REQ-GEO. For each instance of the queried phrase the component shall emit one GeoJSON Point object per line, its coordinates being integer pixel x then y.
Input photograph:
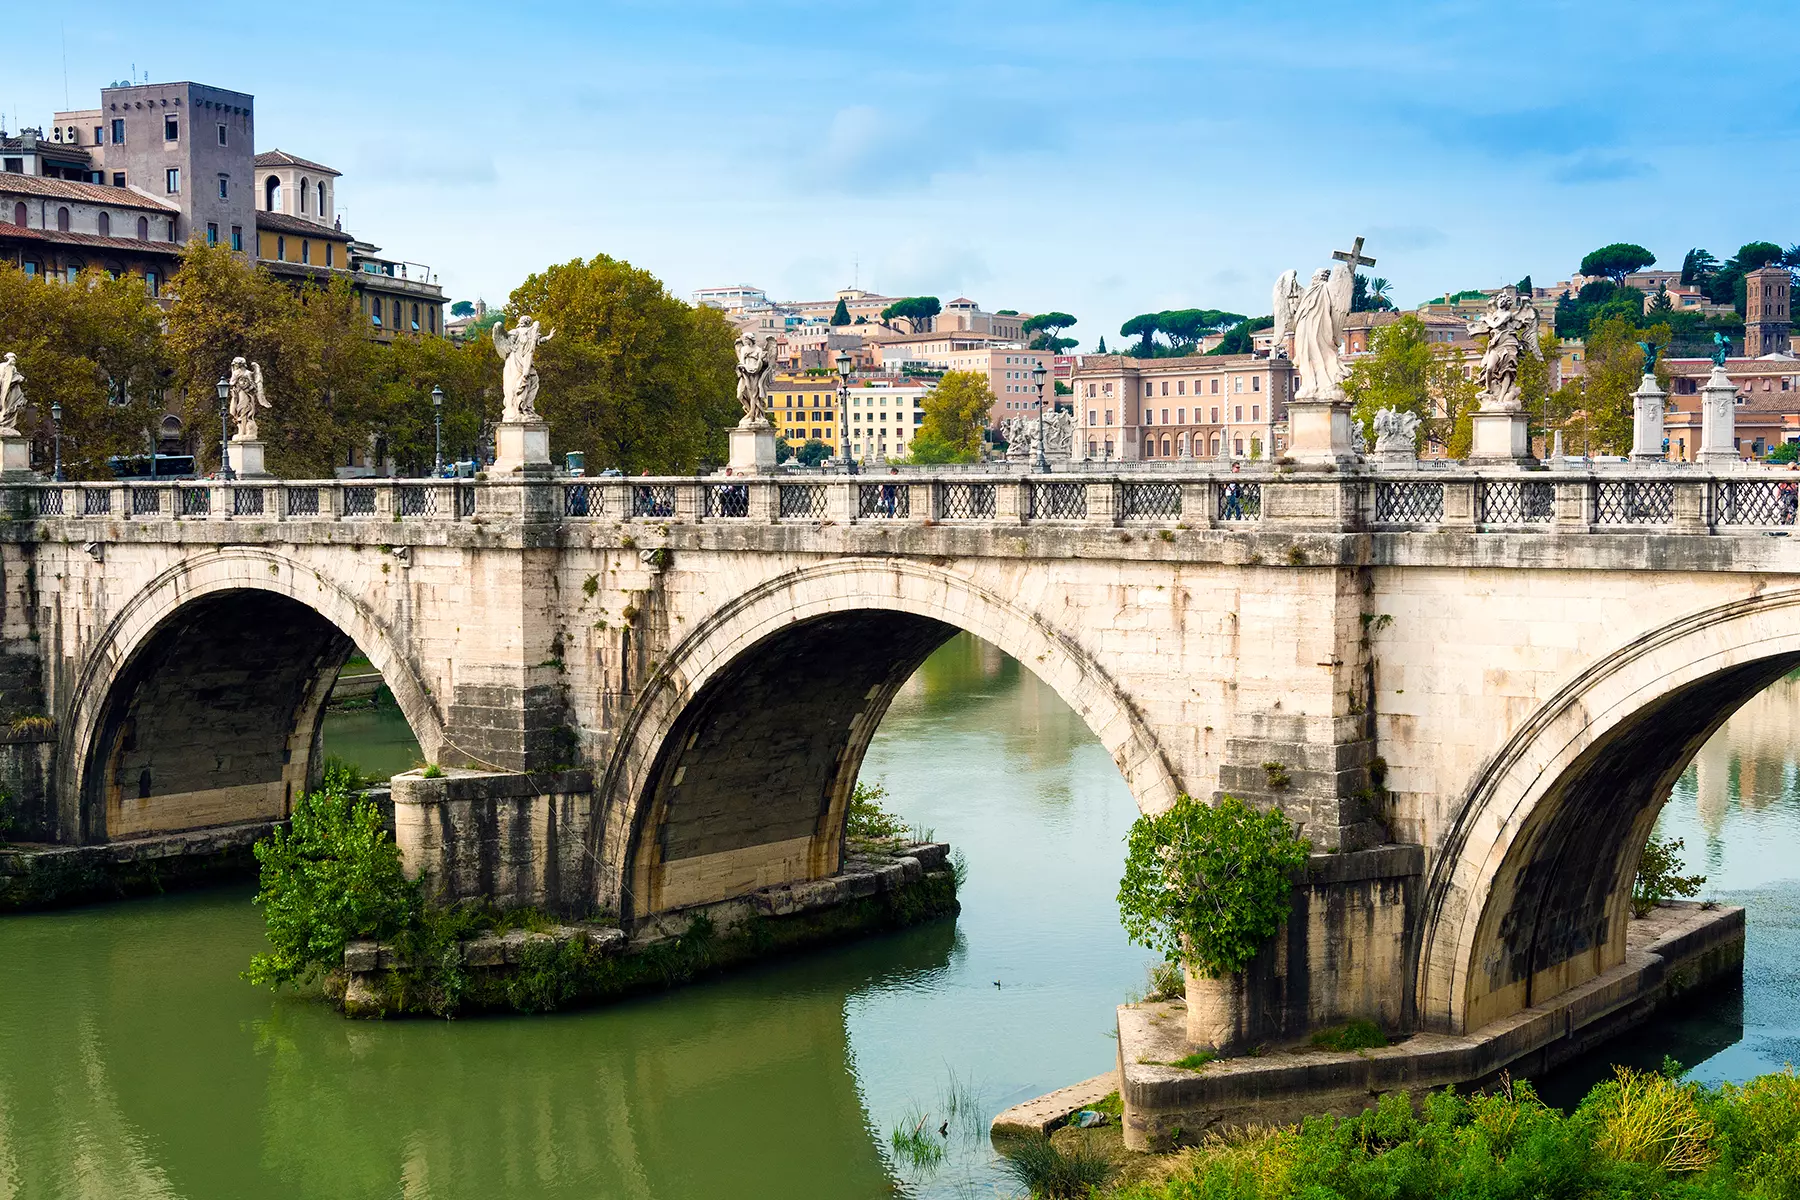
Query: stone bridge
{"type": "Point", "coordinates": [1473, 689]}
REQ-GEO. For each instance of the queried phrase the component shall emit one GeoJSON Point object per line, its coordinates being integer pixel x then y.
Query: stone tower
{"type": "Point", "coordinates": [1766, 319]}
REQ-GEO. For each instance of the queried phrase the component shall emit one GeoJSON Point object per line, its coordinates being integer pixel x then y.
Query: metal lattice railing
{"type": "Point", "coordinates": [96, 502]}
{"type": "Point", "coordinates": [883, 501]}
{"type": "Point", "coordinates": [1629, 502]}
{"type": "Point", "coordinates": [1755, 502]}
{"type": "Point", "coordinates": [416, 500]}
{"type": "Point", "coordinates": [50, 502]}
{"type": "Point", "coordinates": [801, 501]}
{"type": "Point", "coordinates": [146, 502]}
{"type": "Point", "coordinates": [653, 500]}
{"type": "Point", "coordinates": [581, 500]}
{"type": "Point", "coordinates": [1149, 501]}
{"type": "Point", "coordinates": [303, 502]}
{"type": "Point", "coordinates": [1517, 502]}
{"type": "Point", "coordinates": [966, 501]}
{"type": "Point", "coordinates": [196, 502]}
{"type": "Point", "coordinates": [1058, 501]}
{"type": "Point", "coordinates": [1409, 503]}
{"type": "Point", "coordinates": [246, 502]}
{"type": "Point", "coordinates": [726, 501]}
{"type": "Point", "coordinates": [359, 501]}
{"type": "Point", "coordinates": [1240, 501]}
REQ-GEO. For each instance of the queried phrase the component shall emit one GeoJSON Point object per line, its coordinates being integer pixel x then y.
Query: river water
{"type": "Point", "coordinates": [135, 1063]}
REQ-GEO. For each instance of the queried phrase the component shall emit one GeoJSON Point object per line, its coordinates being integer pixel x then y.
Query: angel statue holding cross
{"type": "Point", "coordinates": [1315, 316]}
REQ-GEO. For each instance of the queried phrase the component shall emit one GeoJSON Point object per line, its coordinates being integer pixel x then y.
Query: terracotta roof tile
{"type": "Point", "coordinates": [281, 158]}
{"type": "Point", "coordinates": [12, 183]}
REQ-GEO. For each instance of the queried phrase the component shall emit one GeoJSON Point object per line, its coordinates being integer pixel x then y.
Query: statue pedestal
{"type": "Point", "coordinates": [1718, 420]}
{"type": "Point", "coordinates": [752, 450]}
{"type": "Point", "coordinates": [246, 458]}
{"type": "Point", "coordinates": [1318, 432]}
{"type": "Point", "coordinates": [1647, 422]}
{"type": "Point", "coordinates": [521, 448]}
{"type": "Point", "coordinates": [1501, 437]}
{"type": "Point", "coordinates": [15, 457]}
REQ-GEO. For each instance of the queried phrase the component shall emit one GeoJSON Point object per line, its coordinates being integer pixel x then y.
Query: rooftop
{"type": "Point", "coordinates": [87, 193]}
{"type": "Point", "coordinates": [281, 158]}
{"type": "Point", "coordinates": [283, 223]}
{"type": "Point", "coordinates": [130, 245]}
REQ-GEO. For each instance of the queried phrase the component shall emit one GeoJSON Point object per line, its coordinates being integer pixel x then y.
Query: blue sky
{"type": "Point", "coordinates": [1100, 159]}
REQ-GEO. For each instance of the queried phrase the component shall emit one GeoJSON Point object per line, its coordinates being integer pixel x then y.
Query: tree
{"type": "Point", "coordinates": [1143, 327]}
{"type": "Point", "coordinates": [1048, 328]}
{"type": "Point", "coordinates": [841, 314]}
{"type": "Point", "coordinates": [1617, 261]}
{"type": "Point", "coordinates": [1397, 374]}
{"type": "Point", "coordinates": [1458, 393]}
{"type": "Point", "coordinates": [95, 348]}
{"type": "Point", "coordinates": [956, 413]}
{"type": "Point", "coordinates": [401, 412]}
{"type": "Point", "coordinates": [635, 377]}
{"type": "Point", "coordinates": [812, 453]}
{"type": "Point", "coordinates": [1238, 339]}
{"type": "Point", "coordinates": [784, 449]}
{"type": "Point", "coordinates": [917, 310]}
{"type": "Point", "coordinates": [462, 308]}
{"type": "Point", "coordinates": [1369, 295]}
{"type": "Point", "coordinates": [1697, 267]}
{"type": "Point", "coordinates": [1614, 368]}
{"type": "Point", "coordinates": [1101, 348]}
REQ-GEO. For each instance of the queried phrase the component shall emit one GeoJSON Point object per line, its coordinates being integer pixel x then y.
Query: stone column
{"type": "Point", "coordinates": [521, 448]}
{"type": "Point", "coordinates": [1718, 420]}
{"type": "Point", "coordinates": [1501, 437]}
{"type": "Point", "coordinates": [752, 449]}
{"type": "Point", "coordinates": [15, 458]}
{"type": "Point", "coordinates": [246, 458]}
{"type": "Point", "coordinates": [1318, 432]}
{"type": "Point", "coordinates": [1647, 422]}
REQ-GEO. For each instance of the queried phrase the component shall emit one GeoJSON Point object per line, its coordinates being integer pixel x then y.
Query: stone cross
{"type": "Point", "coordinates": [1354, 255]}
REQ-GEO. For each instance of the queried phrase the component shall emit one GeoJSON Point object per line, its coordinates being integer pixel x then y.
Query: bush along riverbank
{"type": "Point", "coordinates": [342, 915]}
{"type": "Point", "coordinates": [1638, 1135]}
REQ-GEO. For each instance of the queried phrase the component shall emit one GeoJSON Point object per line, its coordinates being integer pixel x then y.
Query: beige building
{"type": "Point", "coordinates": [885, 414]}
{"type": "Point", "coordinates": [1008, 370]}
{"type": "Point", "coordinates": [1198, 406]}
{"type": "Point", "coordinates": [54, 228]}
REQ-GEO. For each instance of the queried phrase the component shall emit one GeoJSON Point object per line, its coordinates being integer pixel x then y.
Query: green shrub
{"type": "Point", "coordinates": [1357, 1035]}
{"type": "Point", "coordinates": [1046, 1169]}
{"type": "Point", "coordinates": [1659, 876]}
{"type": "Point", "coordinates": [867, 820]}
{"type": "Point", "coordinates": [332, 876]}
{"type": "Point", "coordinates": [1209, 884]}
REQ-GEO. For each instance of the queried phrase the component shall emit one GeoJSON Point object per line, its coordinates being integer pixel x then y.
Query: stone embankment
{"type": "Point", "coordinates": [38, 876]}
{"type": "Point", "coordinates": [882, 886]}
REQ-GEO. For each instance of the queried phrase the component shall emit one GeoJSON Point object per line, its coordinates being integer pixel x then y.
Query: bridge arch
{"type": "Point", "coordinates": [172, 642]}
{"type": "Point", "coordinates": [1529, 893]}
{"type": "Point", "coordinates": [832, 643]}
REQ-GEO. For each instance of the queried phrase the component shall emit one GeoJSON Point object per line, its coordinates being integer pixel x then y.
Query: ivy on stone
{"type": "Point", "coordinates": [1208, 885]}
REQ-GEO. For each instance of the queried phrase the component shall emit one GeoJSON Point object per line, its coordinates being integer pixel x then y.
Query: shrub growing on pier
{"type": "Point", "coordinates": [1209, 884]}
{"type": "Point", "coordinates": [1659, 876]}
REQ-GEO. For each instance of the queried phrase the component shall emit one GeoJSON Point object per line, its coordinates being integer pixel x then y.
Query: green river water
{"type": "Point", "coordinates": [135, 1063]}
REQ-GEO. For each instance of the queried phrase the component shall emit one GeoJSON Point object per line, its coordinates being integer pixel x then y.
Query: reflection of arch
{"type": "Point", "coordinates": [823, 649]}
{"type": "Point", "coordinates": [146, 624]}
{"type": "Point", "coordinates": [1529, 893]}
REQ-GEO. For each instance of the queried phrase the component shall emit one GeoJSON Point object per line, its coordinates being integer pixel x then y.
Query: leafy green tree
{"type": "Point", "coordinates": [812, 453]}
{"type": "Point", "coordinates": [635, 377]}
{"type": "Point", "coordinates": [1458, 393]}
{"type": "Point", "coordinates": [917, 310]}
{"type": "Point", "coordinates": [95, 348]}
{"type": "Point", "coordinates": [956, 414]}
{"type": "Point", "coordinates": [1370, 295]}
{"type": "Point", "coordinates": [1046, 331]}
{"type": "Point", "coordinates": [1659, 876]}
{"type": "Point", "coordinates": [1524, 286]}
{"type": "Point", "coordinates": [1787, 452]}
{"type": "Point", "coordinates": [401, 411]}
{"type": "Point", "coordinates": [1208, 885]}
{"type": "Point", "coordinates": [841, 314]}
{"type": "Point", "coordinates": [784, 449]}
{"type": "Point", "coordinates": [463, 308]}
{"type": "Point", "coordinates": [1614, 368]}
{"type": "Point", "coordinates": [1238, 339]}
{"type": "Point", "coordinates": [1101, 348]}
{"type": "Point", "coordinates": [1142, 327]}
{"type": "Point", "coordinates": [1184, 327]}
{"type": "Point", "coordinates": [1617, 261]}
{"type": "Point", "coordinates": [1697, 267]}
{"type": "Point", "coordinates": [1397, 374]}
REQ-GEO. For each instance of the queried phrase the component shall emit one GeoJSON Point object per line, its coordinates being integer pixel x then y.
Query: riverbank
{"type": "Point", "coordinates": [545, 965]}
{"type": "Point", "coordinates": [44, 876]}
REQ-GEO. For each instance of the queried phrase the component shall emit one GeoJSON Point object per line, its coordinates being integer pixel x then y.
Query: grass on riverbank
{"type": "Point", "coordinates": [1637, 1135]}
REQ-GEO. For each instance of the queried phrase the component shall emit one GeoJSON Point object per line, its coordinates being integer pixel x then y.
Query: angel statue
{"type": "Point", "coordinates": [1315, 316]}
{"type": "Point", "coordinates": [519, 379]}
{"type": "Point", "coordinates": [1721, 350]}
{"type": "Point", "coordinates": [1511, 327]}
{"type": "Point", "coordinates": [247, 396]}
{"type": "Point", "coordinates": [1396, 432]}
{"type": "Point", "coordinates": [12, 395]}
{"type": "Point", "coordinates": [755, 371]}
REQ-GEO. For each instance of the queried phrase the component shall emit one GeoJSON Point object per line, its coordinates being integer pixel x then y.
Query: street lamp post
{"type": "Point", "coordinates": [56, 437]}
{"type": "Point", "coordinates": [437, 420]}
{"type": "Point", "coordinates": [1037, 377]}
{"type": "Point", "coordinates": [843, 368]}
{"type": "Point", "coordinates": [224, 389]}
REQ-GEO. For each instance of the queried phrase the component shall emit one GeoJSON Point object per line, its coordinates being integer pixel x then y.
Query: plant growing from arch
{"type": "Point", "coordinates": [1207, 885]}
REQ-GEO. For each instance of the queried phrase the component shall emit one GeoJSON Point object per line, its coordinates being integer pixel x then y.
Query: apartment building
{"type": "Point", "coordinates": [1768, 403]}
{"type": "Point", "coordinates": [885, 414]}
{"type": "Point", "coordinates": [805, 408]}
{"type": "Point", "coordinates": [1197, 406]}
{"type": "Point", "coordinates": [1008, 370]}
{"type": "Point", "coordinates": [55, 228]}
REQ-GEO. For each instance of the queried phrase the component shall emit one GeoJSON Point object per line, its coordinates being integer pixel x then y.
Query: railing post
{"type": "Point", "coordinates": [764, 501]}
{"type": "Point", "coordinates": [1575, 505]}
{"type": "Point", "coordinates": [1197, 508]}
{"type": "Point", "coordinates": [1102, 501]}
{"type": "Point", "coordinates": [1012, 501]}
{"type": "Point", "coordinates": [1693, 508]}
{"type": "Point", "coordinates": [840, 499]}
{"type": "Point", "coordinates": [1459, 505]}
{"type": "Point", "coordinates": [921, 504]}
{"type": "Point", "coordinates": [687, 502]}
{"type": "Point", "coordinates": [385, 500]}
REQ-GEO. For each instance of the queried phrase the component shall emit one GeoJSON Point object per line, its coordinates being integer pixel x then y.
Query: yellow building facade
{"type": "Point", "coordinates": [805, 408]}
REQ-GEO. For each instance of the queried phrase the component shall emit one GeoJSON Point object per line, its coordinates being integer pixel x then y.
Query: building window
{"type": "Point", "coordinates": [415, 320]}
{"type": "Point", "coordinates": [221, 134]}
{"type": "Point", "coordinates": [171, 130]}
{"type": "Point", "coordinates": [1109, 415]}
{"type": "Point", "coordinates": [1181, 387]}
{"type": "Point", "coordinates": [143, 229]}
{"type": "Point", "coordinates": [99, 135]}
{"type": "Point", "coordinates": [272, 194]}
{"type": "Point", "coordinates": [237, 238]}
{"type": "Point", "coordinates": [21, 215]}
{"type": "Point", "coordinates": [212, 233]}
{"type": "Point", "coordinates": [1256, 412]}
{"type": "Point", "coordinates": [1165, 387]}
{"type": "Point", "coordinates": [171, 229]}
{"type": "Point", "coordinates": [432, 316]}
{"type": "Point", "coordinates": [103, 224]}
{"type": "Point", "coordinates": [172, 181]}
{"type": "Point", "coordinates": [280, 249]}
{"type": "Point", "coordinates": [375, 310]}
{"type": "Point", "coordinates": [396, 314]}
{"type": "Point", "coordinates": [1090, 391]}
{"type": "Point", "coordinates": [1165, 419]}
{"type": "Point", "coordinates": [1215, 414]}
{"type": "Point", "coordinates": [321, 197]}
{"type": "Point", "coordinates": [1256, 383]}
{"type": "Point", "coordinates": [1215, 388]}
{"type": "Point", "coordinates": [1181, 416]}
{"type": "Point", "coordinates": [62, 219]}
{"type": "Point", "coordinates": [1237, 446]}
{"type": "Point", "coordinates": [1093, 417]}
{"type": "Point", "coordinates": [224, 187]}
{"type": "Point", "coordinates": [118, 137]}
{"type": "Point", "coordinates": [303, 197]}
{"type": "Point", "coordinates": [306, 252]}
{"type": "Point", "coordinates": [150, 283]}
{"type": "Point", "coordinates": [1237, 412]}
{"type": "Point", "coordinates": [118, 179]}
{"type": "Point", "coordinates": [1147, 390]}
{"type": "Point", "coordinates": [1237, 383]}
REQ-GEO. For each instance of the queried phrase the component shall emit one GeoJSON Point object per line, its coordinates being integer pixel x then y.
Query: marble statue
{"type": "Point", "coordinates": [755, 372]}
{"type": "Point", "coordinates": [1359, 441]}
{"type": "Point", "coordinates": [12, 395]}
{"type": "Point", "coordinates": [1396, 432]}
{"type": "Point", "coordinates": [519, 381]}
{"type": "Point", "coordinates": [1721, 349]}
{"type": "Point", "coordinates": [1511, 327]}
{"type": "Point", "coordinates": [1020, 435]}
{"type": "Point", "coordinates": [246, 396]}
{"type": "Point", "coordinates": [1059, 434]}
{"type": "Point", "coordinates": [1315, 316]}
